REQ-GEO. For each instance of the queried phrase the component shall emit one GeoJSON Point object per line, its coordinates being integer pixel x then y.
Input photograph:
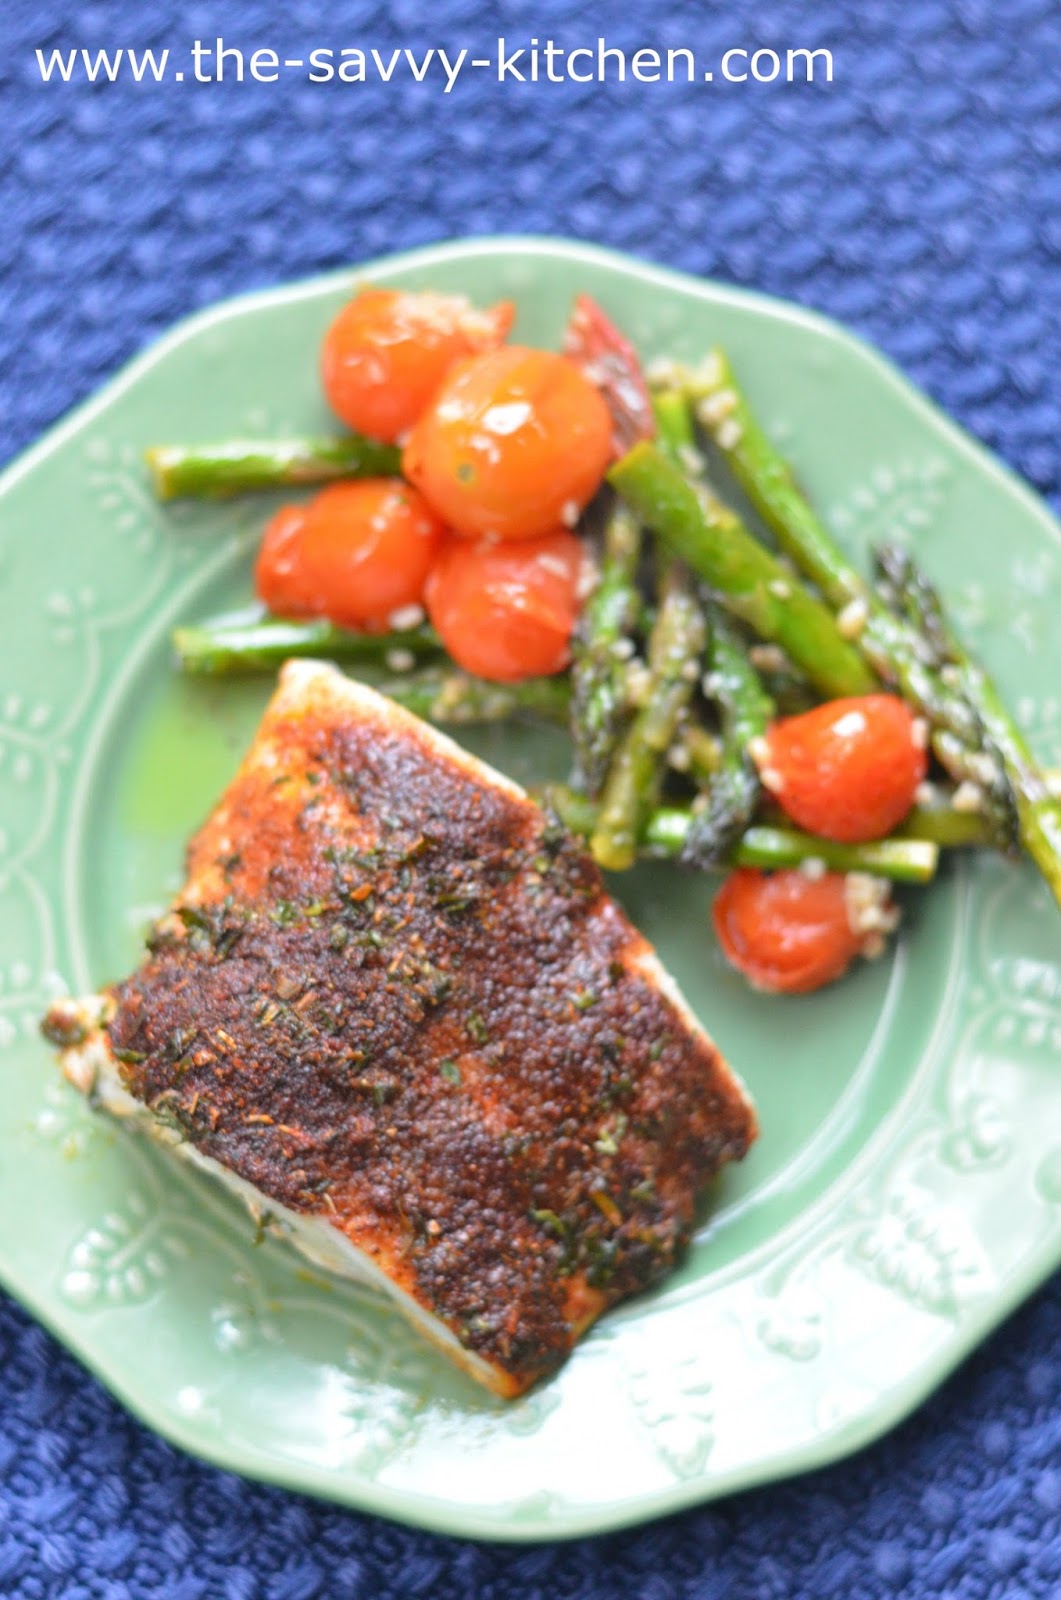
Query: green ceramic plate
{"type": "Point", "coordinates": [906, 1191]}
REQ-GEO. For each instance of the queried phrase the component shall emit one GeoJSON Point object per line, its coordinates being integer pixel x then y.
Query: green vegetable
{"type": "Point", "coordinates": [457, 699]}
{"type": "Point", "coordinates": [1007, 769]}
{"type": "Point", "coordinates": [601, 650]}
{"type": "Point", "coordinates": [675, 645]}
{"type": "Point", "coordinates": [674, 425]}
{"type": "Point", "coordinates": [747, 579]}
{"type": "Point", "coordinates": [666, 828]}
{"type": "Point", "coordinates": [734, 791]}
{"type": "Point", "coordinates": [896, 646]}
{"type": "Point", "coordinates": [697, 752]}
{"type": "Point", "coordinates": [765, 476]}
{"type": "Point", "coordinates": [255, 642]}
{"type": "Point", "coordinates": [241, 465]}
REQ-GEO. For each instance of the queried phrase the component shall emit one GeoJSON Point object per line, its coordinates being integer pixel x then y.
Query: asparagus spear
{"type": "Point", "coordinates": [731, 786]}
{"type": "Point", "coordinates": [748, 580]}
{"type": "Point", "coordinates": [455, 698]}
{"type": "Point", "coordinates": [901, 860]}
{"type": "Point", "coordinates": [697, 752]}
{"type": "Point", "coordinates": [897, 650]}
{"type": "Point", "coordinates": [950, 829]}
{"type": "Point", "coordinates": [240, 465]}
{"type": "Point", "coordinates": [665, 829]}
{"type": "Point", "coordinates": [601, 650]}
{"type": "Point", "coordinates": [767, 479]}
{"type": "Point", "coordinates": [255, 642]}
{"type": "Point", "coordinates": [1008, 756]}
{"type": "Point", "coordinates": [601, 647]}
{"type": "Point", "coordinates": [731, 797]}
{"type": "Point", "coordinates": [674, 425]}
{"type": "Point", "coordinates": [675, 644]}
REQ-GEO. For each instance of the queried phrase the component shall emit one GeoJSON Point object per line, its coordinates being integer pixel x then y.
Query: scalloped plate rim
{"type": "Point", "coordinates": [439, 1517]}
{"type": "Point", "coordinates": [710, 289]}
{"type": "Point", "coordinates": [886, 1411]}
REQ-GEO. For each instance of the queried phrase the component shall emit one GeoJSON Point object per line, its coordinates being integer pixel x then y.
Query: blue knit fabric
{"type": "Point", "coordinates": [918, 200]}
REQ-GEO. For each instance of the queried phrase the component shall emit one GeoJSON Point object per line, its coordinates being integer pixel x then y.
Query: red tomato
{"type": "Point", "coordinates": [786, 932]}
{"type": "Point", "coordinates": [513, 445]}
{"type": "Point", "coordinates": [506, 611]}
{"type": "Point", "coordinates": [387, 352]}
{"type": "Point", "coordinates": [281, 579]}
{"type": "Point", "coordinates": [355, 553]}
{"type": "Point", "coordinates": [848, 769]}
{"type": "Point", "coordinates": [610, 362]}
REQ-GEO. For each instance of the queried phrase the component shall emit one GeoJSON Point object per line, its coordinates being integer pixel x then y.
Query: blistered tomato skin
{"type": "Point", "coordinates": [785, 932]}
{"type": "Point", "coordinates": [507, 611]}
{"type": "Point", "coordinates": [849, 769]}
{"type": "Point", "coordinates": [513, 446]}
{"type": "Point", "coordinates": [356, 553]}
{"type": "Point", "coordinates": [280, 580]}
{"type": "Point", "coordinates": [386, 353]}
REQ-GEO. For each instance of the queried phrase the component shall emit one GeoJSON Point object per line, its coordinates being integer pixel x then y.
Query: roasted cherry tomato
{"type": "Point", "coordinates": [387, 352]}
{"type": "Point", "coordinates": [513, 445]}
{"type": "Point", "coordinates": [507, 611]}
{"type": "Point", "coordinates": [356, 553]}
{"type": "Point", "coordinates": [609, 361]}
{"type": "Point", "coordinates": [281, 579]}
{"type": "Point", "coordinates": [847, 770]}
{"type": "Point", "coordinates": [790, 933]}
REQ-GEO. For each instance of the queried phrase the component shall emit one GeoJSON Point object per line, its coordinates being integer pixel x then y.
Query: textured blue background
{"type": "Point", "coordinates": [917, 199]}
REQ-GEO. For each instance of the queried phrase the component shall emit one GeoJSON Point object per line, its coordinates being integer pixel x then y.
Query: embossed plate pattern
{"type": "Point", "coordinates": [906, 1192]}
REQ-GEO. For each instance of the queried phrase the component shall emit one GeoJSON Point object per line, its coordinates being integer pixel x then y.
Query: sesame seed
{"type": "Point", "coordinates": [678, 758]}
{"type": "Point", "coordinates": [729, 434]}
{"type": "Point", "coordinates": [709, 373]}
{"type": "Point", "coordinates": [813, 867]}
{"type": "Point", "coordinates": [852, 619]}
{"type": "Point", "coordinates": [569, 513]}
{"type": "Point", "coordinates": [690, 671]}
{"type": "Point", "coordinates": [623, 649]}
{"type": "Point", "coordinates": [768, 658]}
{"type": "Point", "coordinates": [400, 660]}
{"type": "Point", "coordinates": [638, 682]}
{"type": "Point", "coordinates": [406, 617]}
{"type": "Point", "coordinates": [759, 750]}
{"type": "Point", "coordinates": [714, 408]}
{"type": "Point", "coordinates": [663, 372]}
{"type": "Point", "coordinates": [870, 909]}
{"type": "Point", "coordinates": [983, 768]}
{"type": "Point", "coordinates": [951, 676]}
{"type": "Point", "coordinates": [968, 797]}
{"type": "Point", "coordinates": [926, 794]}
{"type": "Point", "coordinates": [780, 587]}
{"type": "Point", "coordinates": [919, 731]}
{"type": "Point", "coordinates": [771, 779]}
{"type": "Point", "coordinates": [691, 459]}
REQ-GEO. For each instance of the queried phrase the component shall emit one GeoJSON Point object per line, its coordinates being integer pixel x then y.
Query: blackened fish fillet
{"type": "Point", "coordinates": [395, 1009]}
